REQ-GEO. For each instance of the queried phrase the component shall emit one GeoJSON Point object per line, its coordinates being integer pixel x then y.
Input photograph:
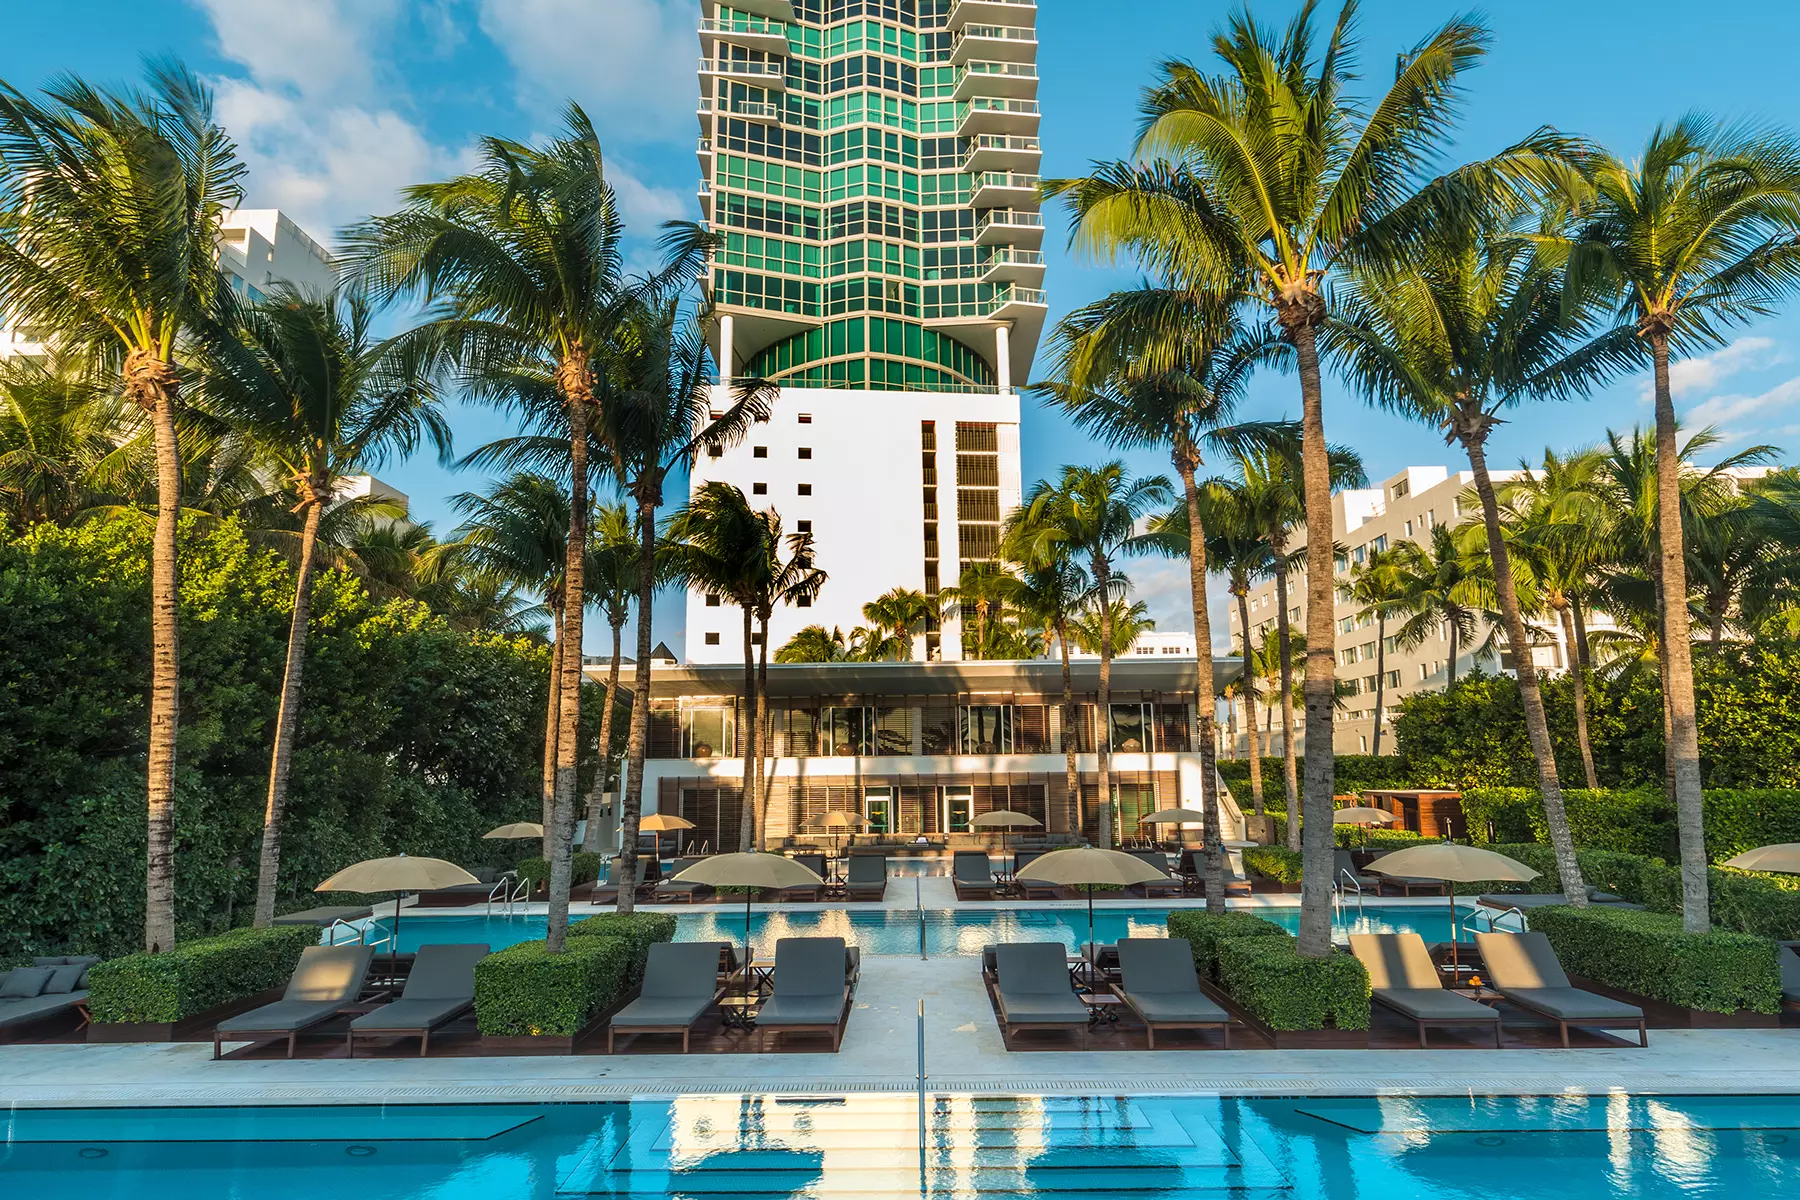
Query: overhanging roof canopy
{"type": "Point", "coordinates": [1037, 677]}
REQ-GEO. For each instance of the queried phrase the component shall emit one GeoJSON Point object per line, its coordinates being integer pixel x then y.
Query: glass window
{"type": "Point", "coordinates": [878, 809]}
{"type": "Point", "coordinates": [848, 732]}
{"type": "Point", "coordinates": [959, 807]}
{"type": "Point", "coordinates": [987, 729]}
{"type": "Point", "coordinates": [708, 732]}
{"type": "Point", "coordinates": [1130, 729]}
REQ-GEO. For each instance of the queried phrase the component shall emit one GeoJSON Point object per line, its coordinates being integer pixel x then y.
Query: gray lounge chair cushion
{"type": "Point", "coordinates": [408, 1015]}
{"type": "Point", "coordinates": [867, 871]}
{"type": "Point", "coordinates": [682, 970]}
{"type": "Point", "coordinates": [326, 979]}
{"type": "Point", "coordinates": [1034, 986]}
{"type": "Point", "coordinates": [22, 983]}
{"type": "Point", "coordinates": [1435, 1004]}
{"type": "Point", "coordinates": [972, 869]}
{"type": "Point", "coordinates": [445, 971]}
{"type": "Point", "coordinates": [1161, 965]}
{"type": "Point", "coordinates": [1790, 974]}
{"type": "Point", "coordinates": [1160, 1008]}
{"type": "Point", "coordinates": [802, 1010]}
{"type": "Point", "coordinates": [810, 976]}
{"type": "Point", "coordinates": [648, 1011]}
{"type": "Point", "coordinates": [1573, 1004]}
{"type": "Point", "coordinates": [20, 1011]}
{"type": "Point", "coordinates": [64, 980]}
{"type": "Point", "coordinates": [283, 1016]}
{"type": "Point", "coordinates": [1397, 961]}
{"type": "Point", "coordinates": [1523, 968]}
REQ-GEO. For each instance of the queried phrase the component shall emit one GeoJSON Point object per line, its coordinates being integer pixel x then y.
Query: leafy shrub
{"type": "Point", "coordinates": [584, 867]}
{"type": "Point", "coordinates": [1648, 953]}
{"type": "Point", "coordinates": [638, 930]}
{"type": "Point", "coordinates": [1351, 773]}
{"type": "Point", "coordinates": [1285, 990]}
{"type": "Point", "coordinates": [526, 991]}
{"type": "Point", "coordinates": [1499, 814]}
{"type": "Point", "coordinates": [1203, 930]}
{"type": "Point", "coordinates": [195, 976]}
{"type": "Point", "coordinates": [1273, 862]}
{"type": "Point", "coordinates": [1352, 838]}
{"type": "Point", "coordinates": [1740, 819]}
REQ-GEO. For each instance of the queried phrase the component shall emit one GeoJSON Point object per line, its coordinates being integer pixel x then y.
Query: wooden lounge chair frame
{"type": "Point", "coordinates": [1562, 1023]}
{"type": "Point", "coordinates": [1151, 1026]}
{"type": "Point", "coordinates": [1424, 1024]}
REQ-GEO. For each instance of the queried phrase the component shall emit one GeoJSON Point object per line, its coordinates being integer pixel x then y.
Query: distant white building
{"type": "Point", "coordinates": [1151, 644]}
{"type": "Point", "coordinates": [368, 487]}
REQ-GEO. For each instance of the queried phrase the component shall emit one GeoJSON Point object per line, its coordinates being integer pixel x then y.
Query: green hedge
{"type": "Point", "coordinates": [1274, 862]}
{"type": "Point", "coordinates": [638, 930]}
{"type": "Point", "coordinates": [1648, 953]}
{"type": "Point", "coordinates": [1740, 819]}
{"type": "Point", "coordinates": [1203, 930]}
{"type": "Point", "coordinates": [583, 868]}
{"type": "Point", "coordinates": [195, 976]}
{"type": "Point", "coordinates": [1352, 838]}
{"type": "Point", "coordinates": [1636, 821]}
{"type": "Point", "coordinates": [526, 991]}
{"type": "Point", "coordinates": [1285, 990]}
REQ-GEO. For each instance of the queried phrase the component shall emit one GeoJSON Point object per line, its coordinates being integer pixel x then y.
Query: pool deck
{"type": "Point", "coordinates": [963, 1055]}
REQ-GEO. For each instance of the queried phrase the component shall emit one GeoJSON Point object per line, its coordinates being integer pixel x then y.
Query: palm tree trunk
{"type": "Point", "coordinates": [1537, 727]}
{"type": "Point", "coordinates": [1103, 743]}
{"type": "Point", "coordinates": [1316, 804]}
{"type": "Point", "coordinates": [1450, 683]}
{"type": "Point", "coordinates": [568, 710]}
{"type": "Point", "coordinates": [631, 804]}
{"type": "Point", "coordinates": [165, 699]}
{"type": "Point", "coordinates": [1581, 639]}
{"type": "Point", "coordinates": [1247, 684]}
{"type": "Point", "coordinates": [552, 726]}
{"type": "Point", "coordinates": [1069, 716]}
{"type": "Point", "coordinates": [764, 736]}
{"type": "Point", "coordinates": [598, 791]}
{"type": "Point", "coordinates": [1684, 746]}
{"type": "Point", "coordinates": [1290, 770]}
{"type": "Point", "coordinates": [287, 721]}
{"type": "Point", "coordinates": [747, 738]}
{"type": "Point", "coordinates": [1578, 680]}
{"type": "Point", "coordinates": [1185, 462]}
{"type": "Point", "coordinates": [1380, 673]}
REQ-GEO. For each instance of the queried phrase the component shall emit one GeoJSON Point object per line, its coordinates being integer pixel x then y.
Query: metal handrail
{"type": "Point", "coordinates": [1350, 879]}
{"type": "Point", "coordinates": [331, 934]}
{"type": "Point", "coordinates": [1493, 919]}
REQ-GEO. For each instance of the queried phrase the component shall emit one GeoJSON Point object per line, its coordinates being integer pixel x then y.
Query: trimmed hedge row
{"type": "Point", "coordinates": [1638, 821]}
{"type": "Point", "coordinates": [1287, 991]}
{"type": "Point", "coordinates": [1205, 930]}
{"type": "Point", "coordinates": [196, 976]}
{"type": "Point", "coordinates": [1274, 862]}
{"type": "Point", "coordinates": [526, 991]}
{"type": "Point", "coordinates": [1648, 953]}
{"type": "Point", "coordinates": [638, 930]}
{"type": "Point", "coordinates": [584, 867]}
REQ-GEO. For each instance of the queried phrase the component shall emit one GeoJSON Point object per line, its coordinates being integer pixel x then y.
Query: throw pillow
{"type": "Point", "coordinates": [22, 983]}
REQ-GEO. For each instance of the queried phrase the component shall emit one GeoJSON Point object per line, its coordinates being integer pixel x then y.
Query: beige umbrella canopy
{"type": "Point", "coordinates": [518, 829]}
{"type": "Point", "coordinates": [1783, 857]}
{"type": "Point", "coordinates": [1173, 816]}
{"type": "Point", "coordinates": [1086, 866]}
{"type": "Point", "coordinates": [838, 820]}
{"type": "Point", "coordinates": [1363, 816]}
{"type": "Point", "coordinates": [1453, 864]}
{"type": "Point", "coordinates": [401, 873]}
{"type": "Point", "coordinates": [664, 823]}
{"type": "Point", "coordinates": [1005, 820]}
{"type": "Point", "coordinates": [749, 869]}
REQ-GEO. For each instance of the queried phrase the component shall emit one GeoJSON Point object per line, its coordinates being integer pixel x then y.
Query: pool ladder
{"type": "Point", "coordinates": [507, 894]}
{"type": "Point", "coordinates": [1493, 918]}
{"type": "Point", "coordinates": [360, 933]}
{"type": "Point", "coordinates": [1346, 880]}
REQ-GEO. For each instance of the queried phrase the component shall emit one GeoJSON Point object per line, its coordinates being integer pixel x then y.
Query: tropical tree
{"type": "Point", "coordinates": [109, 211]}
{"type": "Point", "coordinates": [982, 588]}
{"type": "Point", "coordinates": [814, 644]}
{"type": "Point", "coordinates": [1129, 619]}
{"type": "Point", "coordinates": [1049, 596]}
{"type": "Point", "coordinates": [60, 428]}
{"type": "Point", "coordinates": [895, 618]}
{"type": "Point", "coordinates": [612, 586]}
{"type": "Point", "coordinates": [795, 579]}
{"type": "Point", "coordinates": [1092, 512]}
{"type": "Point", "coordinates": [323, 398]}
{"type": "Point", "coordinates": [1270, 177]}
{"type": "Point", "coordinates": [1440, 596]}
{"type": "Point", "coordinates": [1377, 586]}
{"type": "Point", "coordinates": [1699, 233]}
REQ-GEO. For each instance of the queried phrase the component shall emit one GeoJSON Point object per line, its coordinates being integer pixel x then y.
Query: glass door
{"type": "Point", "coordinates": [958, 807]}
{"type": "Point", "coordinates": [878, 809]}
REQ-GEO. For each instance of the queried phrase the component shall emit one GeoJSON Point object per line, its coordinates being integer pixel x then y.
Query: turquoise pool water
{"type": "Point", "coordinates": [1057, 1148]}
{"type": "Point", "coordinates": [947, 932]}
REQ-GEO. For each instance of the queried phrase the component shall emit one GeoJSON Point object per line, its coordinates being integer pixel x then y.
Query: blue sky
{"type": "Point", "coordinates": [338, 103]}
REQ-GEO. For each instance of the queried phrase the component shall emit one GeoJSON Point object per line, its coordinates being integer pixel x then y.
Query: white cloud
{"type": "Point", "coordinates": [646, 206]}
{"type": "Point", "coordinates": [1162, 584]}
{"type": "Point", "coordinates": [317, 47]}
{"type": "Point", "coordinates": [630, 63]}
{"type": "Point", "coordinates": [1708, 371]}
{"type": "Point", "coordinates": [1742, 416]}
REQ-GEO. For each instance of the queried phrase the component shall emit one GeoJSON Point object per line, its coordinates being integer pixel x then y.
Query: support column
{"type": "Point", "coordinates": [727, 353]}
{"type": "Point", "coordinates": [1003, 356]}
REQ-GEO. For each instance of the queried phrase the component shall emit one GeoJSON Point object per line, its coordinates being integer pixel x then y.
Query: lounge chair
{"type": "Point", "coordinates": [1158, 983]}
{"type": "Point", "coordinates": [1190, 868]}
{"type": "Point", "coordinates": [1789, 962]}
{"type": "Point", "coordinates": [608, 892]}
{"type": "Point", "coordinates": [440, 988]}
{"type": "Point", "coordinates": [1026, 887]}
{"type": "Point", "coordinates": [681, 981]}
{"type": "Point", "coordinates": [806, 891]}
{"type": "Point", "coordinates": [972, 874]}
{"type": "Point", "coordinates": [1403, 977]}
{"type": "Point", "coordinates": [812, 988]}
{"type": "Point", "coordinates": [668, 891]}
{"type": "Point", "coordinates": [1343, 867]}
{"type": "Point", "coordinates": [326, 979]}
{"type": "Point", "coordinates": [866, 877]}
{"type": "Point", "coordinates": [1033, 989]}
{"type": "Point", "coordinates": [1169, 885]}
{"type": "Point", "coordinates": [1407, 885]}
{"type": "Point", "coordinates": [49, 987]}
{"type": "Point", "coordinates": [1523, 968]}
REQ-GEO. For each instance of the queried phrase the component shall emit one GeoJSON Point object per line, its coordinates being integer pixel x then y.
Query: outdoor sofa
{"type": "Point", "coordinates": [812, 988]}
{"type": "Point", "coordinates": [49, 987]}
{"type": "Point", "coordinates": [439, 989]}
{"type": "Point", "coordinates": [326, 979]}
{"type": "Point", "coordinates": [681, 982]}
{"type": "Point", "coordinates": [1158, 983]}
{"type": "Point", "coordinates": [1403, 978]}
{"type": "Point", "coordinates": [1523, 968]}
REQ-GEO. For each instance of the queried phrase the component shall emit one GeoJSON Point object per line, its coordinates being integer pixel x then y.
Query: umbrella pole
{"type": "Point", "coordinates": [394, 948]}
{"type": "Point", "coordinates": [1093, 950]}
{"type": "Point", "coordinates": [749, 957]}
{"type": "Point", "coordinates": [1455, 943]}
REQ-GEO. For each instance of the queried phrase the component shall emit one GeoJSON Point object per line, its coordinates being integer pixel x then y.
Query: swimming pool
{"type": "Point", "coordinates": [1057, 1148]}
{"type": "Point", "coordinates": [947, 932]}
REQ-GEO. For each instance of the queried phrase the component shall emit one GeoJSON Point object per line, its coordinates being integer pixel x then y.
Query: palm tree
{"type": "Point", "coordinates": [1701, 232]}
{"type": "Point", "coordinates": [1376, 585]}
{"type": "Point", "coordinates": [814, 644]}
{"type": "Point", "coordinates": [896, 617]}
{"type": "Point", "coordinates": [112, 203]}
{"type": "Point", "coordinates": [982, 587]}
{"type": "Point", "coordinates": [323, 398]}
{"type": "Point", "coordinates": [1439, 594]}
{"type": "Point", "coordinates": [1092, 512]}
{"type": "Point", "coordinates": [1269, 174]}
{"type": "Point", "coordinates": [657, 415]}
{"type": "Point", "coordinates": [1129, 619]}
{"type": "Point", "coordinates": [612, 586]}
{"type": "Point", "coordinates": [793, 580]}
{"type": "Point", "coordinates": [60, 428]}
{"type": "Point", "coordinates": [1050, 595]}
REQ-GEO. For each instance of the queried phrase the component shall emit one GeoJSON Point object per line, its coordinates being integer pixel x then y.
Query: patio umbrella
{"type": "Point", "coordinates": [1452, 863]}
{"type": "Point", "coordinates": [660, 823]}
{"type": "Point", "coordinates": [518, 829]}
{"type": "Point", "coordinates": [837, 819]}
{"type": "Point", "coordinates": [1085, 866]}
{"type": "Point", "coordinates": [1174, 816]}
{"type": "Point", "coordinates": [749, 869]}
{"type": "Point", "coordinates": [1362, 816]}
{"type": "Point", "coordinates": [1783, 857]}
{"type": "Point", "coordinates": [400, 873]}
{"type": "Point", "coordinates": [1005, 819]}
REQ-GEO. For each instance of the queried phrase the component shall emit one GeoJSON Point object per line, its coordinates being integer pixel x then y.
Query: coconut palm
{"type": "Point", "coordinates": [60, 429]}
{"type": "Point", "coordinates": [814, 644]}
{"type": "Point", "coordinates": [1270, 174]}
{"type": "Point", "coordinates": [1091, 512]}
{"type": "Point", "coordinates": [795, 579]}
{"type": "Point", "coordinates": [1049, 596]}
{"type": "Point", "coordinates": [1129, 620]}
{"type": "Point", "coordinates": [1699, 233]}
{"type": "Point", "coordinates": [898, 616]}
{"type": "Point", "coordinates": [612, 587]}
{"type": "Point", "coordinates": [111, 205]}
{"type": "Point", "coordinates": [982, 589]}
{"type": "Point", "coordinates": [1439, 594]}
{"type": "Point", "coordinates": [323, 398]}
{"type": "Point", "coordinates": [1376, 585]}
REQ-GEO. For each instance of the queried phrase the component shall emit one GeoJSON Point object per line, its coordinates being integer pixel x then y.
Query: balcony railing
{"type": "Point", "coordinates": [1009, 218]}
{"type": "Point", "coordinates": [743, 25]}
{"type": "Point", "coordinates": [750, 68]}
{"type": "Point", "coordinates": [1008, 180]}
{"type": "Point", "coordinates": [988, 104]}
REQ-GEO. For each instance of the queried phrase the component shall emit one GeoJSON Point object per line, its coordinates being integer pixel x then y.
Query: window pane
{"type": "Point", "coordinates": [1128, 728]}
{"type": "Point", "coordinates": [987, 729]}
{"type": "Point", "coordinates": [709, 732]}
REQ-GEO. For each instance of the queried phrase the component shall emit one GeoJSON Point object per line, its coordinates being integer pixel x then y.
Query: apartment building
{"type": "Point", "coordinates": [1405, 507]}
{"type": "Point", "coordinates": [919, 749]}
{"type": "Point", "coordinates": [872, 167]}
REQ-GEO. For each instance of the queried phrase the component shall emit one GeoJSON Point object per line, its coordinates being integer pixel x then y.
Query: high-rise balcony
{"type": "Point", "coordinates": [1008, 264]}
{"type": "Point", "coordinates": [768, 75]}
{"type": "Point", "coordinates": [705, 153]}
{"type": "Point", "coordinates": [774, 10]}
{"type": "Point", "coordinates": [997, 152]}
{"type": "Point", "coordinates": [706, 197]}
{"type": "Point", "coordinates": [1003, 189]}
{"type": "Point", "coordinates": [994, 43]}
{"type": "Point", "coordinates": [1010, 227]}
{"type": "Point", "coordinates": [1017, 303]}
{"type": "Point", "coordinates": [1016, 79]}
{"type": "Point", "coordinates": [985, 116]}
{"type": "Point", "coordinates": [991, 12]}
{"type": "Point", "coordinates": [754, 33]}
